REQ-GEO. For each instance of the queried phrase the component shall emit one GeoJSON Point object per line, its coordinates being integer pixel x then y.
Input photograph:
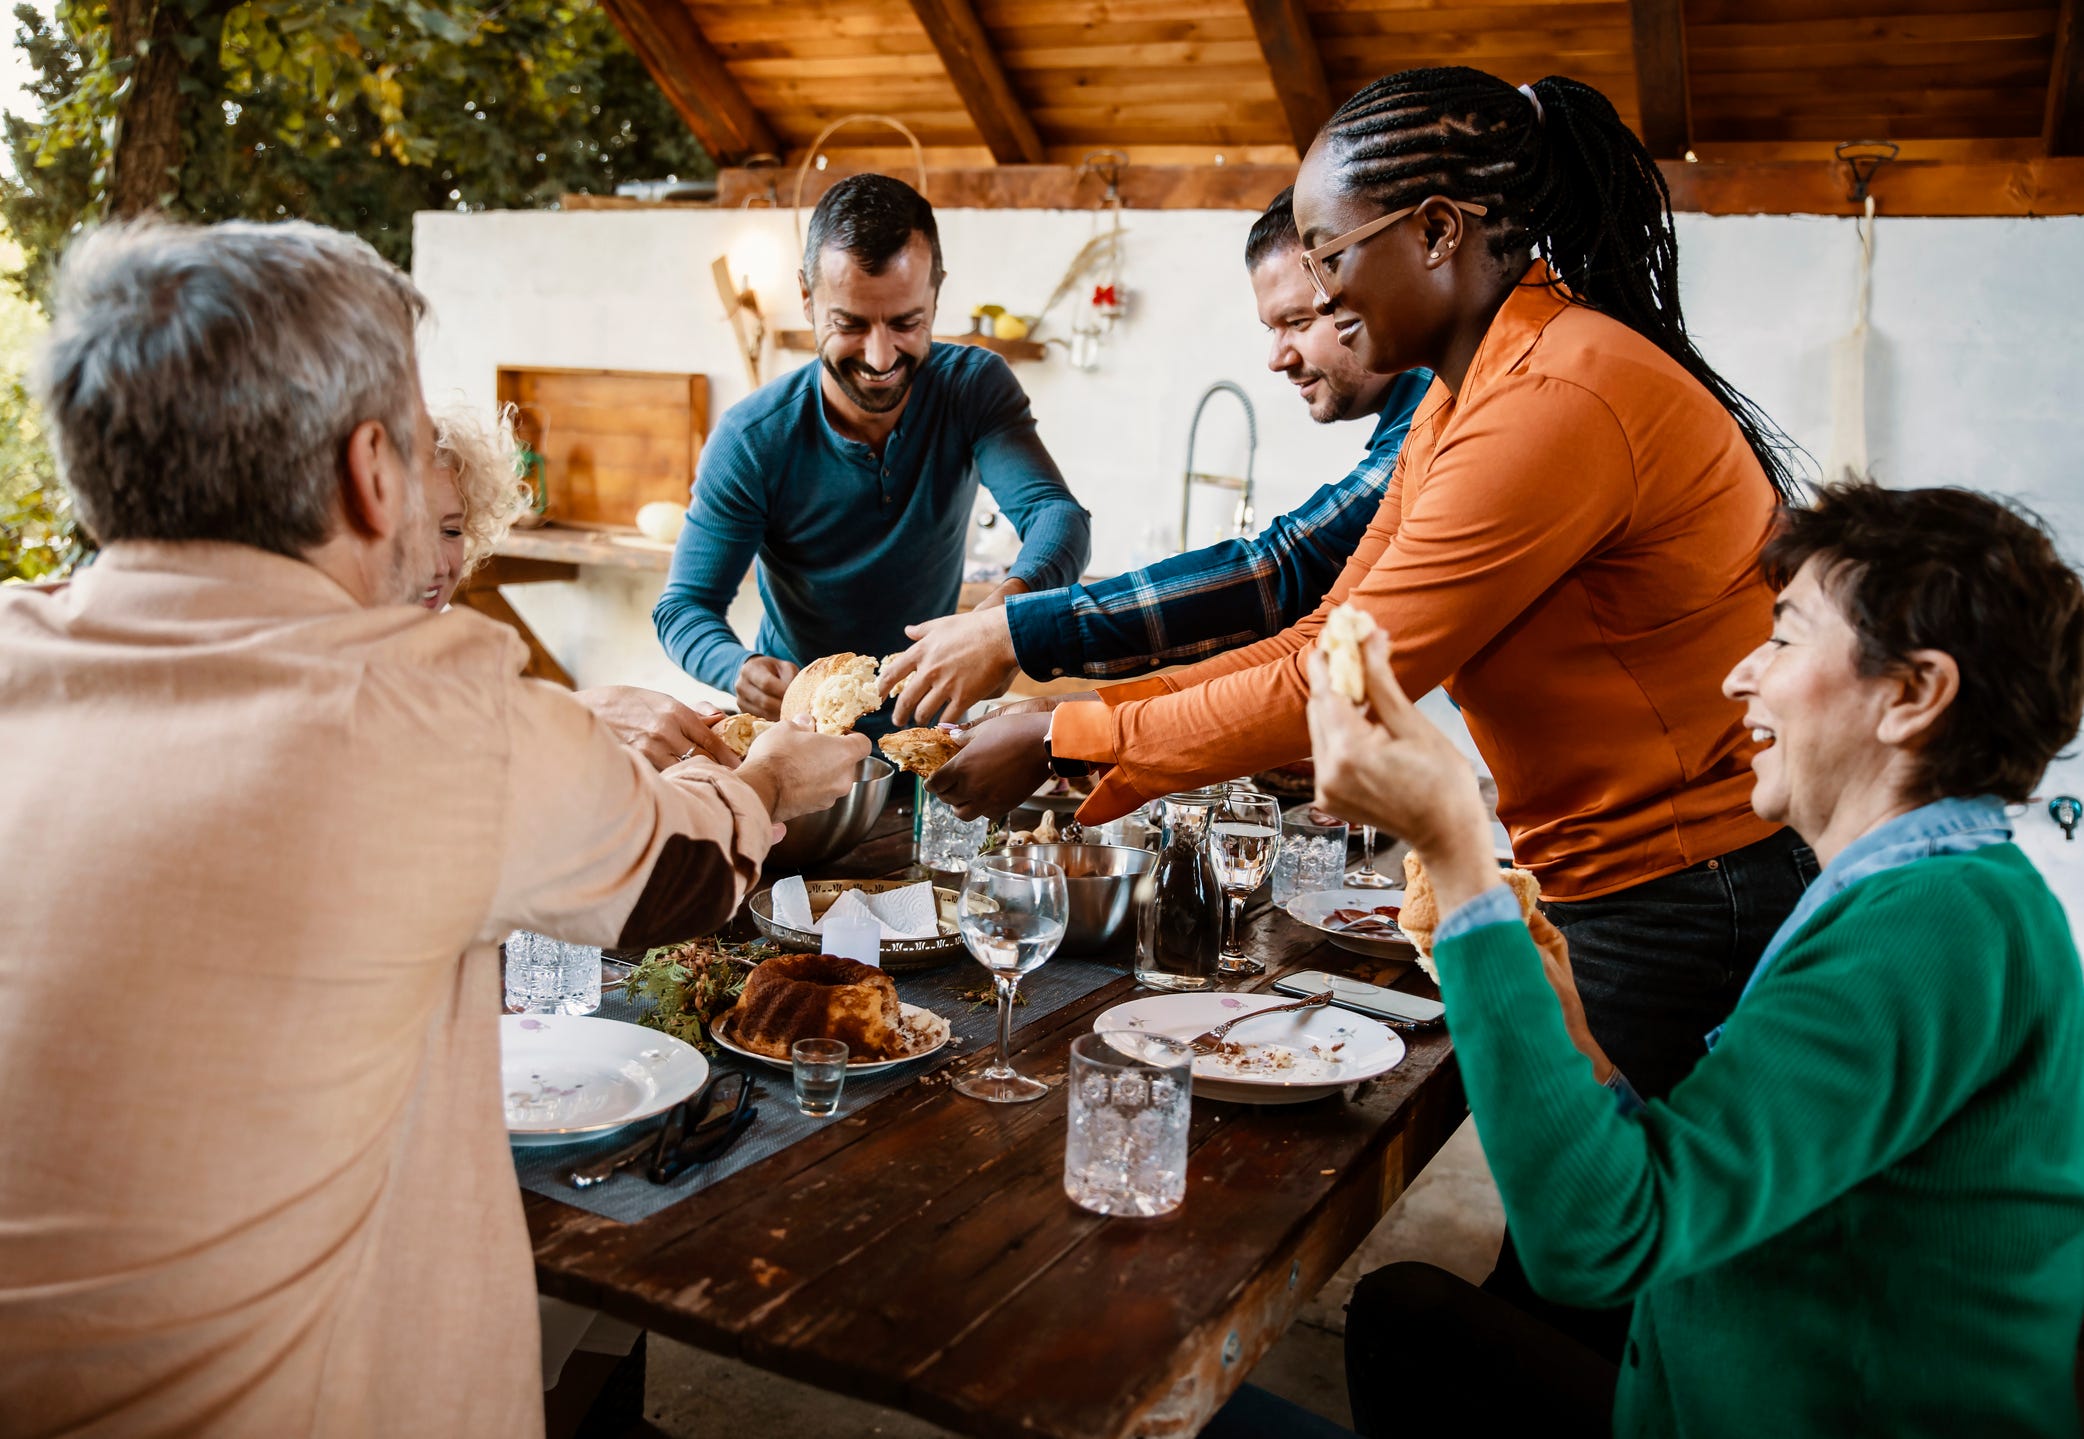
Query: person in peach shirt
{"type": "Point", "coordinates": [1569, 544]}
{"type": "Point", "coordinates": [269, 818]}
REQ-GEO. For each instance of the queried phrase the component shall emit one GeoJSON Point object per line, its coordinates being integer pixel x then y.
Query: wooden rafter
{"type": "Point", "coordinates": [1659, 28]}
{"type": "Point", "coordinates": [2063, 131]}
{"type": "Point", "coordinates": [958, 37]}
{"type": "Point", "coordinates": [1283, 31]}
{"type": "Point", "coordinates": [1734, 187]}
{"type": "Point", "coordinates": [682, 62]}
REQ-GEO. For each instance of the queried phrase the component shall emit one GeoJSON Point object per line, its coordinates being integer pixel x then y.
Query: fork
{"type": "Point", "coordinates": [1206, 1043]}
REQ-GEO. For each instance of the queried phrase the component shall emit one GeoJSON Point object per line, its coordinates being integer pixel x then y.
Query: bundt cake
{"type": "Point", "coordinates": [819, 996]}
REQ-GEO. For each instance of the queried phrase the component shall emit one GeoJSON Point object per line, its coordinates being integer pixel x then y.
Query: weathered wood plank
{"type": "Point", "coordinates": [965, 50]}
{"type": "Point", "coordinates": [1935, 185]}
{"type": "Point", "coordinates": [694, 78]}
{"type": "Point", "coordinates": [2062, 123]}
{"type": "Point", "coordinates": [1283, 31]}
{"type": "Point", "coordinates": [1659, 29]}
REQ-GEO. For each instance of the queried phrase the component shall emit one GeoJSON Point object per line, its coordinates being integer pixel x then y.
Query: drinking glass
{"type": "Point", "coordinates": [1367, 876]}
{"type": "Point", "coordinates": [1246, 836]}
{"type": "Point", "coordinates": [820, 1070]}
{"type": "Point", "coordinates": [1012, 916]}
{"type": "Point", "coordinates": [1126, 1149]}
{"type": "Point", "coordinates": [1312, 857]}
{"type": "Point", "coordinates": [548, 976]}
{"type": "Point", "coordinates": [946, 843]}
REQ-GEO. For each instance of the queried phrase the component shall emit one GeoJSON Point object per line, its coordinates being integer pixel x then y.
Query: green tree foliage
{"type": "Point", "coordinates": [353, 115]}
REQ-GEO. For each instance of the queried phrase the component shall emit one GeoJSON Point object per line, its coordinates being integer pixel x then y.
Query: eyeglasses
{"type": "Point", "coordinates": [1313, 260]}
{"type": "Point", "coordinates": [696, 1133]}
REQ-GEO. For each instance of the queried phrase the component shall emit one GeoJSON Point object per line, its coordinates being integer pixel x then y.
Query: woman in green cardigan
{"type": "Point", "coordinates": [1863, 1213]}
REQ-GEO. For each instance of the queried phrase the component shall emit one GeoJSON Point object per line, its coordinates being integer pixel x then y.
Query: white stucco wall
{"type": "Point", "coordinates": [1978, 336]}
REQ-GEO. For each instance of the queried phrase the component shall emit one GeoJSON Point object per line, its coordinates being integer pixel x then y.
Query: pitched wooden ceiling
{"type": "Point", "coordinates": [1194, 82]}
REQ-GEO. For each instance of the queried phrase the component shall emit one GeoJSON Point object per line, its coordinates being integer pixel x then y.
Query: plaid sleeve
{"type": "Point", "coordinates": [1213, 599]}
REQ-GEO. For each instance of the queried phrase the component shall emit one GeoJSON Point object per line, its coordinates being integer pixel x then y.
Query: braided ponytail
{"type": "Point", "coordinates": [1561, 175]}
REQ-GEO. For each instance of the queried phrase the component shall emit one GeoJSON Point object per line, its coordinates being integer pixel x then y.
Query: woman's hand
{"type": "Point", "coordinates": [1401, 775]}
{"type": "Point", "coordinates": [1003, 760]}
{"type": "Point", "coordinates": [797, 771]}
{"type": "Point", "coordinates": [657, 726]}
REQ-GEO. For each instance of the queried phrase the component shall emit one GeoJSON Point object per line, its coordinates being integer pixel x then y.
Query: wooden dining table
{"type": "Point", "coordinates": [920, 1252]}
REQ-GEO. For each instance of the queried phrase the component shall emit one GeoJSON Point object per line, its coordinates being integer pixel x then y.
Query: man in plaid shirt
{"type": "Point", "coordinates": [1214, 599]}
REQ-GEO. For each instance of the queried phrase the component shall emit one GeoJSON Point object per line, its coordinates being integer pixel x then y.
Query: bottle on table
{"type": "Point", "coordinates": [1180, 918]}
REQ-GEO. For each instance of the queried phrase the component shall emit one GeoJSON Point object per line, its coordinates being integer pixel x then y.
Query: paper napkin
{"type": "Point", "coordinates": [907, 913]}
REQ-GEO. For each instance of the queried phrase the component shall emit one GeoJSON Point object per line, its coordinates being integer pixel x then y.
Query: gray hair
{"type": "Point", "coordinates": [202, 382]}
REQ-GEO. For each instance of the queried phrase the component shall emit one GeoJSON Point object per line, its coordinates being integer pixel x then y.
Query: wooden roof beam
{"type": "Point", "coordinates": [1283, 29]}
{"type": "Point", "coordinates": [2063, 131]}
{"type": "Point", "coordinates": [980, 81]}
{"type": "Point", "coordinates": [685, 66]}
{"type": "Point", "coordinates": [1660, 76]}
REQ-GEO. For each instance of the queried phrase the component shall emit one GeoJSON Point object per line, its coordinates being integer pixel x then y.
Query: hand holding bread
{"type": "Point", "coordinates": [797, 771]}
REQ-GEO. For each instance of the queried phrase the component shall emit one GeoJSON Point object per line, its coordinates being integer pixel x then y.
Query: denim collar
{"type": "Point", "coordinates": [1947, 826]}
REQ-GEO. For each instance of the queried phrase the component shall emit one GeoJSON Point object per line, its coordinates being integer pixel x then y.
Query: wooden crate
{"type": "Point", "coordinates": [612, 440]}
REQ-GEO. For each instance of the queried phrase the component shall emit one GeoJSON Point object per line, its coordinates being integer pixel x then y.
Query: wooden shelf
{"type": "Point", "coordinates": [616, 549]}
{"type": "Point", "coordinates": [803, 342]}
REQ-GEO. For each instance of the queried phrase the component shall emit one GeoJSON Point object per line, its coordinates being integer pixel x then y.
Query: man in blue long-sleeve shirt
{"type": "Point", "coordinates": [1210, 600]}
{"type": "Point", "coordinates": [852, 479]}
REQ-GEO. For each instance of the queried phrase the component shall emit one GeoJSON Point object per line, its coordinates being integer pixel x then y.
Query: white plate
{"type": "Point", "coordinates": [571, 1076]}
{"type": "Point", "coordinates": [1321, 1050]}
{"type": "Point", "coordinates": [938, 1026]}
{"type": "Point", "coordinates": [1310, 909]}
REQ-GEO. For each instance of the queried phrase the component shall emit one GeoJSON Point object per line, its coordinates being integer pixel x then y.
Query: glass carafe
{"type": "Point", "coordinates": [1179, 931]}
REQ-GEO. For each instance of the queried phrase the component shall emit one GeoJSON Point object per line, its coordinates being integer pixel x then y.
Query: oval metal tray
{"type": "Point", "coordinates": [899, 956]}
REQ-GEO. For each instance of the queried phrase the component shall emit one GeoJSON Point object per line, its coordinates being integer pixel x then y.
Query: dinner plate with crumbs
{"type": "Point", "coordinates": [925, 1032]}
{"type": "Point", "coordinates": [1361, 920]}
{"type": "Point", "coordinates": [1288, 1058]}
{"type": "Point", "coordinates": [568, 1077]}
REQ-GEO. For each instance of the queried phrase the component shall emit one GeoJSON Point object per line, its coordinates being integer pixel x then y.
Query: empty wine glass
{"type": "Point", "coordinates": [1012, 916]}
{"type": "Point", "coordinates": [1367, 876]}
{"type": "Point", "coordinates": [1245, 838]}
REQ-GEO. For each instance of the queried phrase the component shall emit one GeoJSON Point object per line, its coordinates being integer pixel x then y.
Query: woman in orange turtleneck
{"type": "Point", "coordinates": [1569, 545]}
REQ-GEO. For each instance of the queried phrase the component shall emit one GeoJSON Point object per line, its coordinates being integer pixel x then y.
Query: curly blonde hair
{"type": "Point", "coordinates": [482, 455]}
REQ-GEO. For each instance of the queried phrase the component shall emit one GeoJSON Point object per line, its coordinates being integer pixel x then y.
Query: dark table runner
{"type": "Point", "coordinates": [629, 1196]}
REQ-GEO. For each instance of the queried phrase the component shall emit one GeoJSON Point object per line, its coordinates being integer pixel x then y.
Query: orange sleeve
{"type": "Point", "coordinates": [1538, 477]}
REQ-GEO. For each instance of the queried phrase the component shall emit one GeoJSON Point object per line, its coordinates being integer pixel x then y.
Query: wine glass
{"type": "Point", "coordinates": [1367, 876]}
{"type": "Point", "coordinates": [1247, 836]}
{"type": "Point", "coordinates": [1012, 915]}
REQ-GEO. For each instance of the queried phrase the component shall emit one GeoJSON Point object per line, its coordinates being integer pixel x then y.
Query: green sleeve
{"type": "Point", "coordinates": [1870, 1030]}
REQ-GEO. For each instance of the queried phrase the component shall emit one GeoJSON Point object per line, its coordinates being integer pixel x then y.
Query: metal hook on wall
{"type": "Point", "coordinates": [1862, 158]}
{"type": "Point", "coordinates": [1107, 164]}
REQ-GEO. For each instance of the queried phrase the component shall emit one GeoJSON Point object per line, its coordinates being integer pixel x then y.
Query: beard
{"type": "Point", "coordinates": [1335, 399]}
{"type": "Point", "coordinates": [875, 402]}
{"type": "Point", "coordinates": [415, 551]}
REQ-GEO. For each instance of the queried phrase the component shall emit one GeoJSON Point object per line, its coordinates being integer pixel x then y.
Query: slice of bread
{"type": "Point", "coordinates": [1344, 629]}
{"type": "Point", "coordinates": [922, 751]}
{"type": "Point", "coordinates": [834, 691]}
{"type": "Point", "coordinates": [739, 732]}
{"type": "Point", "coordinates": [1420, 916]}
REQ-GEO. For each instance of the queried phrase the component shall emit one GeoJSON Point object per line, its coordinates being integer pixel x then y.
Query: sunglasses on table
{"type": "Point", "coordinates": [702, 1126]}
{"type": "Point", "coordinates": [1313, 259]}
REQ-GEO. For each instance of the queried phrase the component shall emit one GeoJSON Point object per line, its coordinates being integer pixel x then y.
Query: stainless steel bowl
{"type": "Point", "coordinates": [1101, 879]}
{"type": "Point", "coordinates": [815, 838]}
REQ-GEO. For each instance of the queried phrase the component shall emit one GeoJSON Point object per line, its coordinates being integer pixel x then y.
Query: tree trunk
{"type": "Point", "coordinates": [152, 140]}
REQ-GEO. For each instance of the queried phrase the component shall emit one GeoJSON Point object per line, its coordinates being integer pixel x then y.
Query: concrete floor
{"type": "Point", "coordinates": [1449, 1217]}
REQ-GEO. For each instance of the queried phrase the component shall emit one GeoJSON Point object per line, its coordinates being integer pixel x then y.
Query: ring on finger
{"type": "Point", "coordinates": [685, 755]}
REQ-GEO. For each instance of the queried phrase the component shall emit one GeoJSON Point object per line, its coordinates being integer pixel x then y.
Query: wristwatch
{"type": "Point", "coordinates": [1062, 768]}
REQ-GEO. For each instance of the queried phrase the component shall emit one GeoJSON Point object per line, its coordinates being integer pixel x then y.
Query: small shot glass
{"type": "Point", "coordinates": [820, 1068]}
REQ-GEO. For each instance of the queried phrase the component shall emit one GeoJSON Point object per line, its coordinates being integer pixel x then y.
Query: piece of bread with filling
{"type": "Point", "coordinates": [834, 691]}
{"type": "Point", "coordinates": [1421, 914]}
{"type": "Point", "coordinates": [922, 751]}
{"type": "Point", "coordinates": [1344, 629]}
{"type": "Point", "coordinates": [739, 731]}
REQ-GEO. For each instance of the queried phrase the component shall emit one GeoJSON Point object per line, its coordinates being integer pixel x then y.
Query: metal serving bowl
{"type": "Point", "coordinates": [1101, 879]}
{"type": "Point", "coordinates": [815, 838]}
